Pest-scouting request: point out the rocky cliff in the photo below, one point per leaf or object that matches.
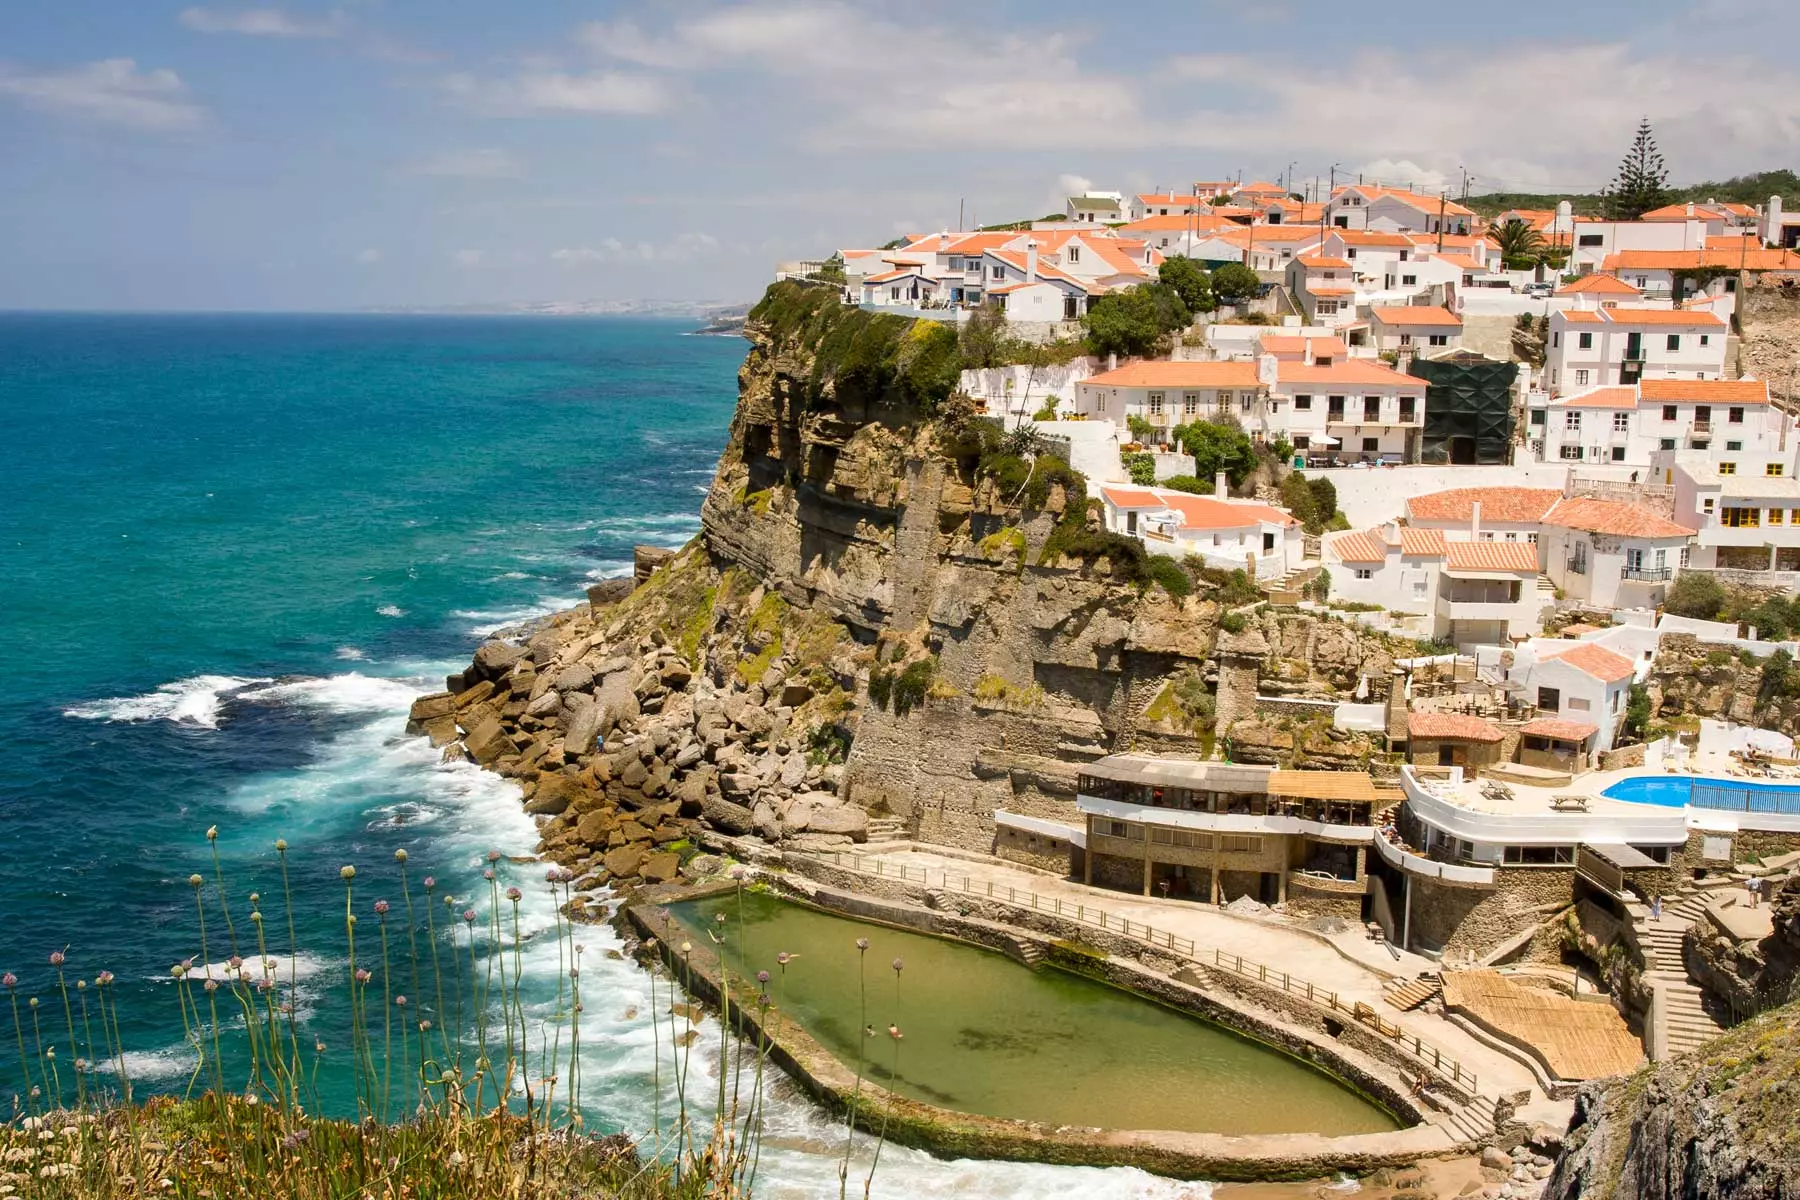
(890, 609)
(1718, 1122)
(1694, 679)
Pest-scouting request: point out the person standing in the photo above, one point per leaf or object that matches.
(1656, 907)
(1754, 887)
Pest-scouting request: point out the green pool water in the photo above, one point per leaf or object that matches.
(986, 1035)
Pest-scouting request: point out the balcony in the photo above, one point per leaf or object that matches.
(1476, 610)
(1648, 574)
(1702, 425)
(1576, 566)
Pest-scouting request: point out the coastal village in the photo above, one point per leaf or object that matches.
(1412, 690)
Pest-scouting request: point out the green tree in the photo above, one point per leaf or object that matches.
(1642, 182)
(1519, 244)
(1141, 467)
(1189, 281)
(1140, 427)
(1298, 498)
(982, 340)
(1135, 322)
(1189, 483)
(1324, 497)
(831, 270)
(1216, 448)
(1637, 711)
(1320, 587)
(1234, 282)
(1695, 595)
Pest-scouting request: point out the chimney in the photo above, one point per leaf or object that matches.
(1390, 532)
(1031, 249)
(1112, 360)
(1475, 521)
(1221, 485)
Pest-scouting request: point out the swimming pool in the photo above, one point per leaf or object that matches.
(1730, 795)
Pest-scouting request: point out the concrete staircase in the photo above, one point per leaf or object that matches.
(1688, 1014)
(886, 829)
(1472, 1122)
(1028, 952)
(1409, 994)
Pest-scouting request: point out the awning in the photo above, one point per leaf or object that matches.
(1624, 857)
(1321, 439)
(1468, 573)
(1558, 730)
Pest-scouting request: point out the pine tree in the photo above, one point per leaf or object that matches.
(1642, 181)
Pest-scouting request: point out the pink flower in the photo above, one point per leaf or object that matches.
(56, 958)
(469, 915)
(104, 978)
(493, 856)
(514, 894)
(362, 975)
(9, 980)
(381, 908)
(400, 1000)
(430, 883)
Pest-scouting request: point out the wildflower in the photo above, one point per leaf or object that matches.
(488, 874)
(256, 916)
(281, 845)
(9, 979)
(783, 959)
(400, 1000)
(898, 964)
(56, 958)
(469, 915)
(493, 856)
(430, 883)
(33, 1002)
(236, 963)
(362, 975)
(102, 979)
(212, 833)
(719, 917)
(212, 985)
(424, 1026)
(250, 1099)
(762, 977)
(346, 872)
(381, 908)
(687, 947)
(318, 1047)
(255, 897)
(514, 894)
(862, 944)
(195, 880)
(400, 855)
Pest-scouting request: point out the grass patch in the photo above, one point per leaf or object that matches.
(995, 691)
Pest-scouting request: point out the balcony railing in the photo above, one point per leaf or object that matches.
(1648, 574)
(1702, 425)
(1577, 566)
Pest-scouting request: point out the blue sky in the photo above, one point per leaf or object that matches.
(372, 152)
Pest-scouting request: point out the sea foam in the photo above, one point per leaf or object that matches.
(193, 701)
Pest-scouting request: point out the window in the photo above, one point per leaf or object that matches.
(1741, 518)
(1706, 339)
(1571, 453)
(1406, 339)
(1371, 445)
(1776, 515)
(1222, 402)
(999, 271)
(1618, 454)
(1371, 409)
(1549, 699)
(1734, 415)
(1555, 340)
(1074, 254)
(1584, 341)
(1581, 378)
(1666, 444)
(1328, 308)
(1727, 468)
(1536, 856)
(1301, 442)
(1364, 573)
(1440, 339)
(1240, 843)
(1669, 413)
(1591, 239)
(1537, 416)
(1774, 470)
(1701, 445)
(1409, 279)
(1577, 704)
(1621, 422)
(1350, 253)
(1302, 403)
(1571, 420)
(1706, 506)
(1733, 447)
(1156, 404)
(1674, 342)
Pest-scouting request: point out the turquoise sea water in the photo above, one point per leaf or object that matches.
(232, 549)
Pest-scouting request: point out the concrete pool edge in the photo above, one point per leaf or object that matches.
(951, 1133)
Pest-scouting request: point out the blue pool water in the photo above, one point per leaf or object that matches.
(1669, 791)
(1729, 795)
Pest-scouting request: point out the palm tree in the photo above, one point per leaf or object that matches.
(1517, 241)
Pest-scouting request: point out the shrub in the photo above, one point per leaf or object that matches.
(1136, 321)
(1189, 483)
(1320, 587)
(1235, 588)
(1141, 467)
(1140, 427)
(1234, 283)
(1047, 410)
(1637, 711)
(1217, 446)
(1232, 622)
(913, 684)
(1169, 575)
(1695, 595)
(881, 686)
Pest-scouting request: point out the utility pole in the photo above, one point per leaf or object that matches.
(959, 214)
(1443, 200)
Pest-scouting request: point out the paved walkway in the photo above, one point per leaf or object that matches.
(1264, 940)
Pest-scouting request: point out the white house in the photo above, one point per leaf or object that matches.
(1656, 272)
(1354, 409)
(1729, 420)
(1742, 521)
(1264, 541)
(1166, 204)
(1170, 393)
(1475, 592)
(1483, 514)
(1414, 328)
(1599, 291)
(1598, 347)
(1098, 208)
(1368, 206)
(1576, 684)
(1610, 554)
(1175, 235)
(902, 287)
(1596, 240)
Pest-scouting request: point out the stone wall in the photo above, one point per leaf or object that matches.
(1616, 760)
(1462, 919)
(1037, 850)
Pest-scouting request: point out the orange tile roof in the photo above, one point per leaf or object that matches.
(1017, 260)
(1349, 371)
(1598, 661)
(1371, 237)
(1456, 726)
(1513, 505)
(1416, 314)
(1598, 285)
(1675, 260)
(1613, 517)
(1659, 316)
(1322, 261)
(1422, 543)
(1161, 198)
(1175, 223)
(1160, 373)
(1123, 256)
(1602, 397)
(1418, 200)
(1121, 497)
(890, 276)
(1562, 731)
(1274, 343)
(1459, 260)
(1491, 556)
(1009, 288)
(1204, 512)
(1363, 546)
(1582, 316)
(975, 243)
(1706, 391)
(1696, 212)
(1329, 291)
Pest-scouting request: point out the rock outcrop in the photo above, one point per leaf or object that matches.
(1718, 1122)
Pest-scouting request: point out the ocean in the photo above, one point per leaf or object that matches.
(232, 551)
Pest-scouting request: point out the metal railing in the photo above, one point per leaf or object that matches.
(1577, 566)
(1648, 574)
(1363, 1014)
(968, 885)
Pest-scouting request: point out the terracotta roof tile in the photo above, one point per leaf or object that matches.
(1323, 261)
(1416, 314)
(1598, 661)
(1706, 391)
(1422, 543)
(1598, 285)
(1204, 512)
(1458, 726)
(1371, 237)
(1659, 316)
(1491, 556)
(1364, 546)
(1349, 372)
(1514, 505)
(1582, 316)
(1122, 497)
(1565, 731)
(1601, 397)
(1613, 517)
(1730, 258)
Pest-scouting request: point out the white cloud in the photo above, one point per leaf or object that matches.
(112, 91)
(369, 257)
(486, 163)
(468, 258)
(684, 247)
(262, 22)
(541, 90)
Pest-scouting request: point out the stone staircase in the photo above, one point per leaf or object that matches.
(887, 829)
(1028, 952)
(1409, 994)
(1688, 1014)
(1289, 587)
(1472, 1122)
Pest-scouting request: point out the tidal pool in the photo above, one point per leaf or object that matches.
(986, 1035)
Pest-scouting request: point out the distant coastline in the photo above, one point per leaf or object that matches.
(705, 309)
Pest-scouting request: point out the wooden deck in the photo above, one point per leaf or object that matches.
(1575, 1039)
